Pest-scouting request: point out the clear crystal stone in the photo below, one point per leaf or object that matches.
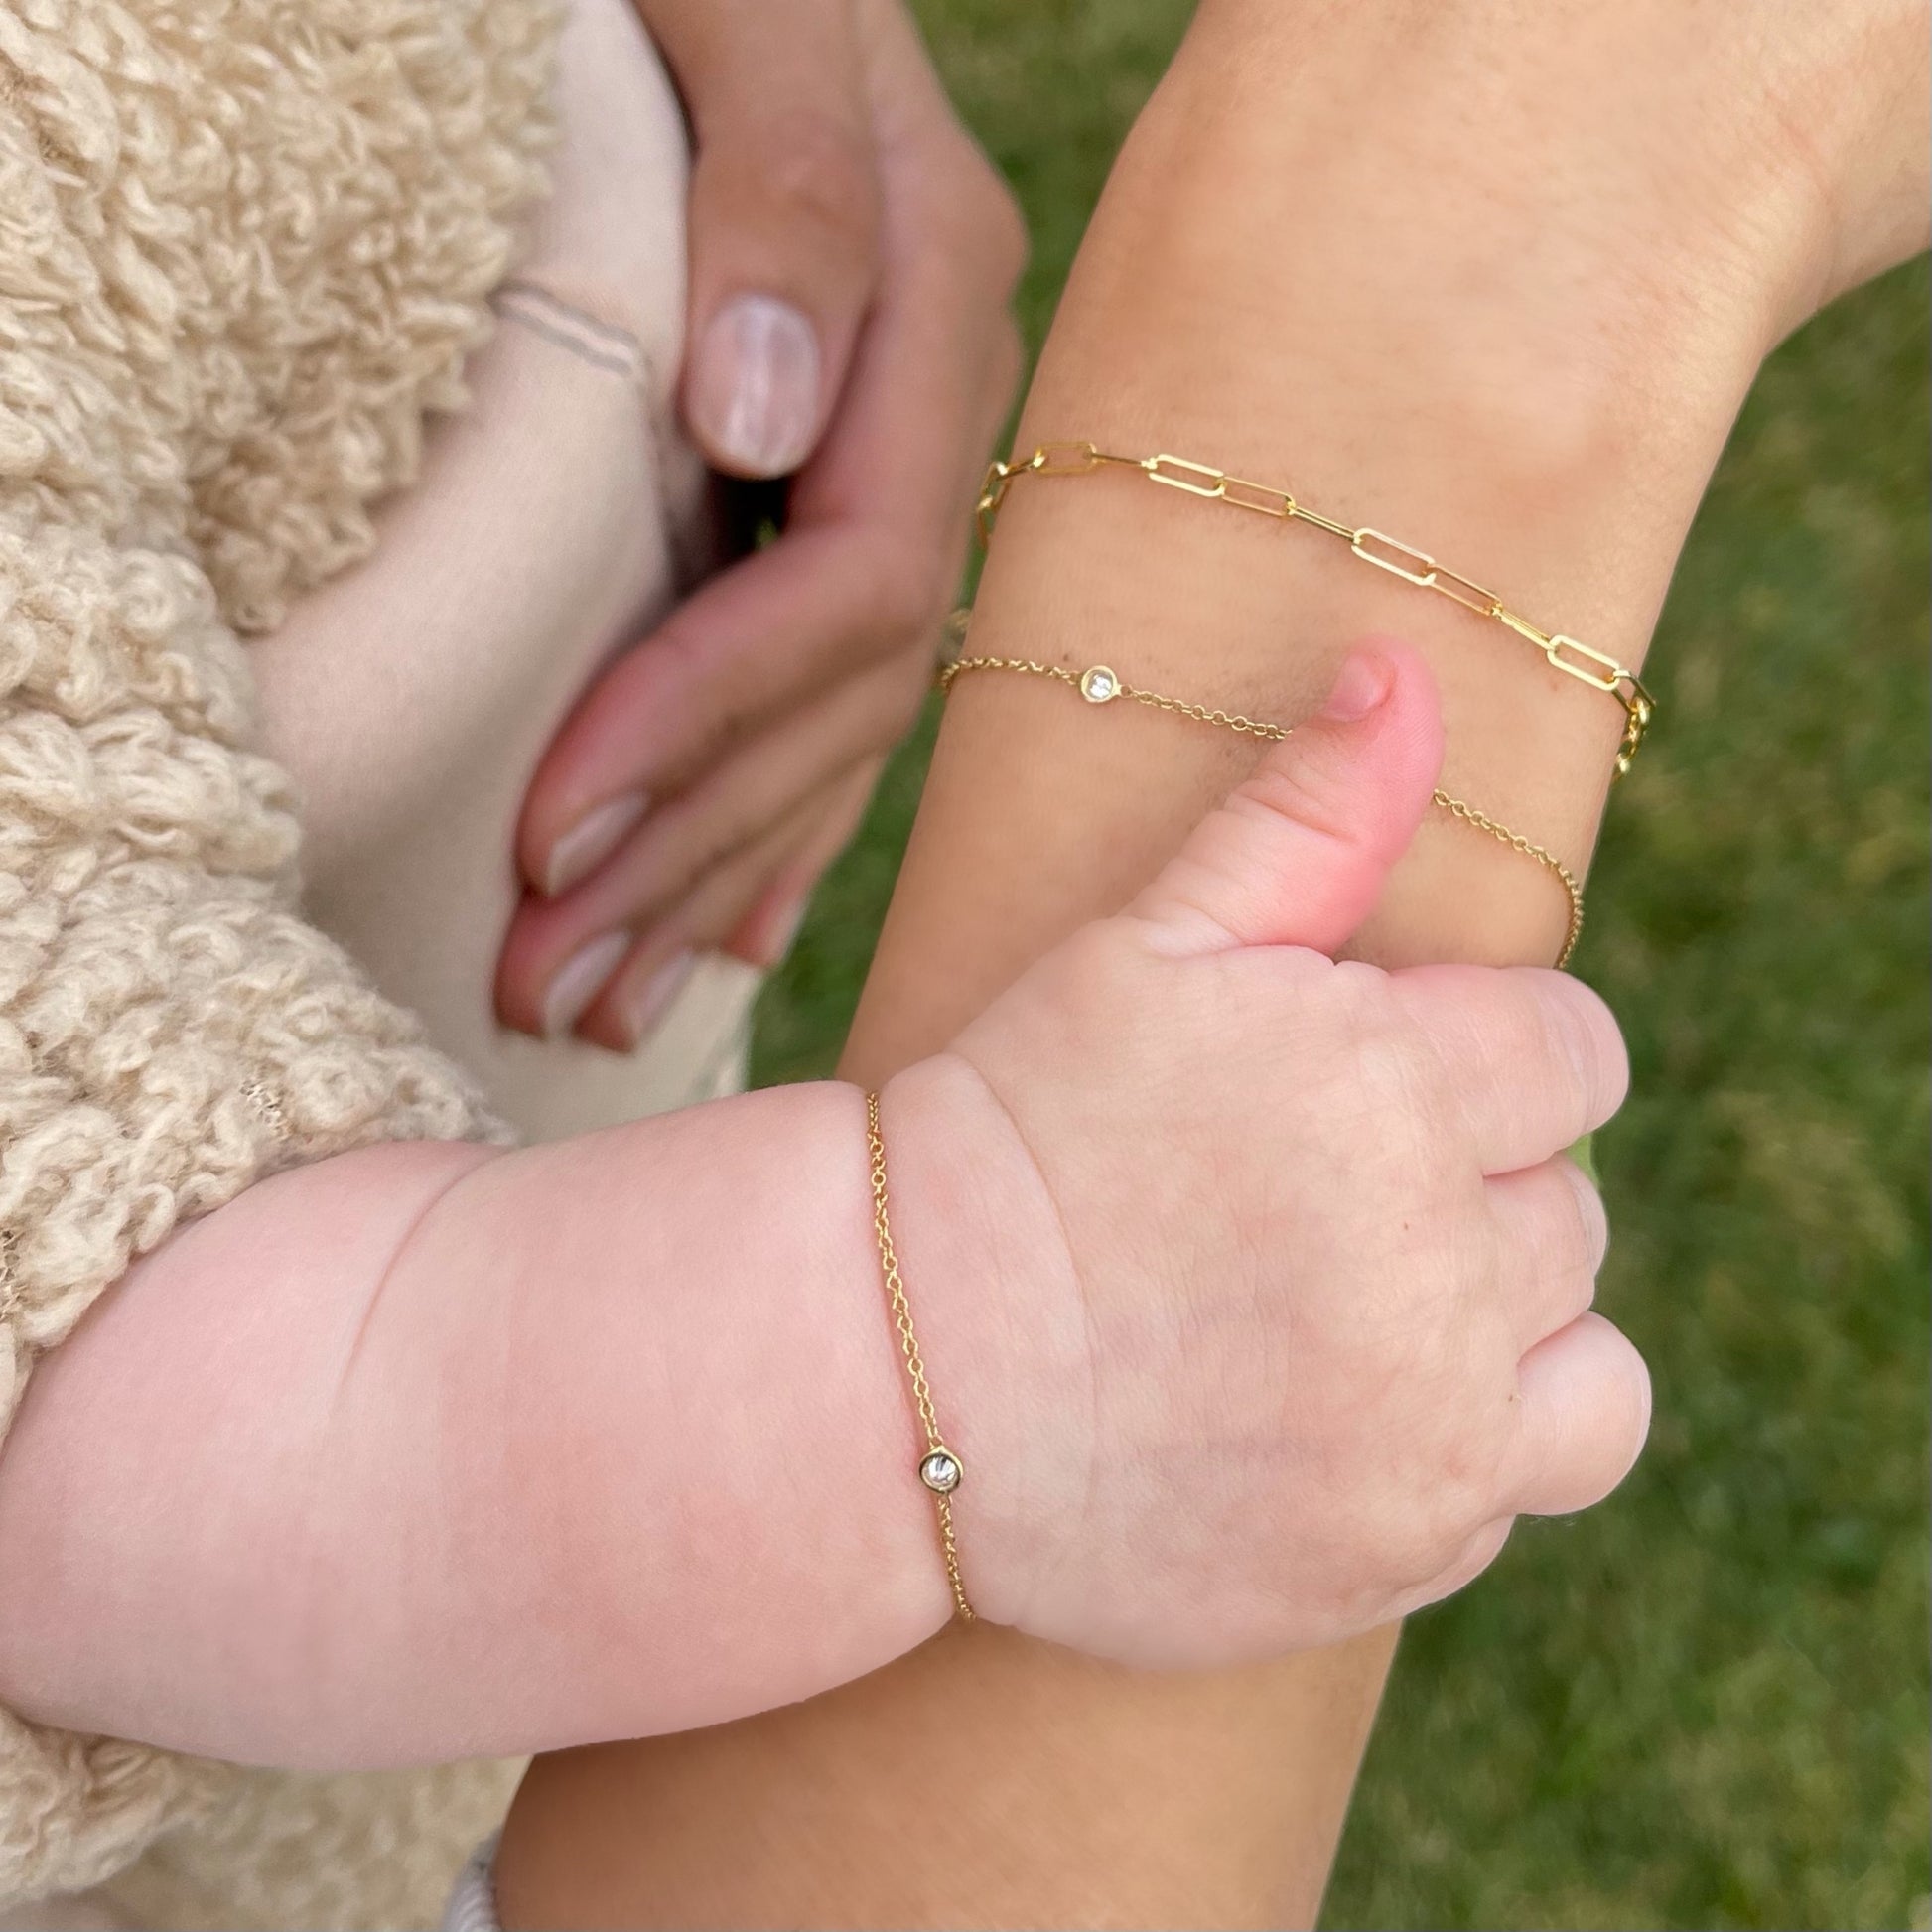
(940, 1473)
(1099, 684)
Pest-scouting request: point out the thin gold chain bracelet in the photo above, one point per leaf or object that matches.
(1101, 684)
(939, 1467)
(1567, 654)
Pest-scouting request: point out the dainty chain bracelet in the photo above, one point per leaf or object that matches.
(939, 1469)
(1101, 684)
(1567, 654)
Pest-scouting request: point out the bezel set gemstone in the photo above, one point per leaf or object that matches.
(1099, 685)
(939, 1471)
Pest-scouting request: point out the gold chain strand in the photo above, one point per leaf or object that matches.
(1100, 684)
(1568, 655)
(1482, 822)
(939, 1469)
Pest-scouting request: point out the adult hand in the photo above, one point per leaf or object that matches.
(852, 255)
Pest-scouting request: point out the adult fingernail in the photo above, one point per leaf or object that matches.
(577, 982)
(642, 1006)
(783, 934)
(579, 852)
(1367, 677)
(753, 394)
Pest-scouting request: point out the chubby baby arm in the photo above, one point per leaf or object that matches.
(1250, 1286)
(428, 1450)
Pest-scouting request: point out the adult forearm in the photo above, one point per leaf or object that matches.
(1238, 303)
(1320, 264)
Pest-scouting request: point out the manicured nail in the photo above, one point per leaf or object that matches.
(754, 392)
(642, 1006)
(579, 852)
(577, 982)
(782, 933)
(1367, 677)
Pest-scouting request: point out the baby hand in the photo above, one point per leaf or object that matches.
(1288, 1317)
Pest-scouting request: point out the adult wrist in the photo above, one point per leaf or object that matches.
(1259, 291)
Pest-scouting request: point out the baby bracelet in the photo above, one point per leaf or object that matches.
(1567, 654)
(1100, 684)
(941, 1470)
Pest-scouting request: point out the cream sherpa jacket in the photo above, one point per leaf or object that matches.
(244, 245)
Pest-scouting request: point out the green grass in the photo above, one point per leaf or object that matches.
(1704, 1704)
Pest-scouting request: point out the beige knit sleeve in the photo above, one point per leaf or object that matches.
(170, 1031)
(245, 246)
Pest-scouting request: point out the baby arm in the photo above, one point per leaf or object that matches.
(434, 1450)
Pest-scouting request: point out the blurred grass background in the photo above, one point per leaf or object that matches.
(1704, 1705)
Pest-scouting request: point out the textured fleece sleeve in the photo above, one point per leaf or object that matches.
(170, 1031)
(245, 246)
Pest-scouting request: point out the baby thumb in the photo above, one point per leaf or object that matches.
(1297, 855)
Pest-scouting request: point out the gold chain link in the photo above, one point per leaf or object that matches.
(939, 1469)
(1569, 656)
(1100, 684)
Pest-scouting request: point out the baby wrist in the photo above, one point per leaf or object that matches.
(988, 1286)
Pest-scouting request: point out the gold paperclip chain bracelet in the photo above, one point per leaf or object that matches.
(1567, 654)
(1100, 684)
